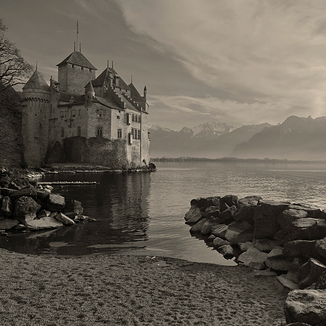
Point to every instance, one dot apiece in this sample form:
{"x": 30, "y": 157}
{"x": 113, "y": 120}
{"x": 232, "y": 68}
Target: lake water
{"x": 143, "y": 213}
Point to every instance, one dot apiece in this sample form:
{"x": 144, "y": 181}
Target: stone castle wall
{"x": 72, "y": 78}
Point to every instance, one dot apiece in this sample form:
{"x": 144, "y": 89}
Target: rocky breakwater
{"x": 279, "y": 239}
{"x": 27, "y": 206}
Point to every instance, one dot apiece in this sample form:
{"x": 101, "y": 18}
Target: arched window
{"x": 78, "y": 131}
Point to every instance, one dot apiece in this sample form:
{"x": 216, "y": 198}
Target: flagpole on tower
{"x": 77, "y": 34}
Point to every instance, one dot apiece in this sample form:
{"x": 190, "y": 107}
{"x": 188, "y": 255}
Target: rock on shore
{"x": 26, "y": 206}
{"x": 273, "y": 238}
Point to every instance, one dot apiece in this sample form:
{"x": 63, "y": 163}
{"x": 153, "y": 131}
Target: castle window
{"x": 99, "y": 113}
{"x": 62, "y": 132}
{"x": 119, "y": 133}
{"x": 133, "y": 117}
{"x": 139, "y": 134}
{"x": 78, "y": 131}
{"x": 73, "y": 113}
{"x": 99, "y": 132}
{"x": 118, "y": 117}
{"x": 62, "y": 114}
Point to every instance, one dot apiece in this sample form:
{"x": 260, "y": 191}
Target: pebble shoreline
{"x": 133, "y": 290}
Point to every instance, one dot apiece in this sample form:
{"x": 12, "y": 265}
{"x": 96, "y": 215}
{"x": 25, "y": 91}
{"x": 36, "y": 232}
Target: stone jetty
{"x": 275, "y": 239}
{"x": 29, "y": 206}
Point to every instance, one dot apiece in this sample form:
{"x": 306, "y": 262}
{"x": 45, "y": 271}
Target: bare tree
{"x": 13, "y": 67}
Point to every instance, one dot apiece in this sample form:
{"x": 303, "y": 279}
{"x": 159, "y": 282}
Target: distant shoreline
{"x": 235, "y": 159}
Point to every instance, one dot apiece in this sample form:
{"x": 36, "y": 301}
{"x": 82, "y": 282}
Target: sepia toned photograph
{"x": 163, "y": 162}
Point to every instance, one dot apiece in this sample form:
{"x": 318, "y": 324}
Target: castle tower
{"x": 74, "y": 73}
{"x": 35, "y": 119}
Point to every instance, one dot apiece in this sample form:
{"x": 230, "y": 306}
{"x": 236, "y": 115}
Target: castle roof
{"x": 100, "y": 80}
{"x": 135, "y": 94}
{"x": 78, "y": 59}
{"x": 36, "y": 81}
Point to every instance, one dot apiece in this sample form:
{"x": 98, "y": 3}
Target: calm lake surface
{"x": 142, "y": 213}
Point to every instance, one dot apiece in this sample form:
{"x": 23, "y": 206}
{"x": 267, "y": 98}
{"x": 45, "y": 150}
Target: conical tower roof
{"x": 89, "y": 89}
{"x": 37, "y": 82}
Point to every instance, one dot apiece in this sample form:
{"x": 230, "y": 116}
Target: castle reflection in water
{"x": 118, "y": 203}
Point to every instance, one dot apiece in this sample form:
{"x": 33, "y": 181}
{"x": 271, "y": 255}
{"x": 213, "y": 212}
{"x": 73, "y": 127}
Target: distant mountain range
{"x": 210, "y": 140}
{"x": 296, "y": 138}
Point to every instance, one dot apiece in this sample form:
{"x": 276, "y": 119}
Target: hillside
{"x": 296, "y": 138}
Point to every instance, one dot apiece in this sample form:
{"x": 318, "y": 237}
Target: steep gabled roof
{"x": 78, "y": 59}
{"x": 36, "y": 82}
{"x": 135, "y": 94}
{"x": 99, "y": 81}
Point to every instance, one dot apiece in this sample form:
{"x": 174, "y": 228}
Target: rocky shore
{"x": 281, "y": 240}
{"x": 28, "y": 206}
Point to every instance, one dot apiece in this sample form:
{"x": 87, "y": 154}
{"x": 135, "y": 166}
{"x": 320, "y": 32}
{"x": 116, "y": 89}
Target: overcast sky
{"x": 233, "y": 61}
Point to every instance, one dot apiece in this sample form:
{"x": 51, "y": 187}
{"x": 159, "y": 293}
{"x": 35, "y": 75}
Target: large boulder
{"x": 293, "y": 271}
{"x": 209, "y": 225}
{"x": 252, "y": 255}
{"x": 278, "y": 263}
{"x": 193, "y": 215}
{"x": 235, "y": 229}
{"x": 244, "y": 236}
{"x": 203, "y": 203}
{"x": 48, "y": 222}
{"x": 55, "y": 203}
{"x": 307, "y": 306}
{"x": 299, "y": 226}
{"x": 29, "y": 191}
{"x": 265, "y": 244}
{"x": 25, "y": 206}
{"x": 196, "y": 228}
{"x": 212, "y": 211}
{"x": 245, "y": 211}
{"x": 73, "y": 208}
{"x": 286, "y": 282}
{"x": 218, "y": 242}
{"x": 227, "y": 251}
{"x": 226, "y": 216}
{"x": 8, "y": 223}
{"x": 42, "y": 194}
{"x": 301, "y": 248}
{"x": 309, "y": 272}
{"x": 219, "y": 230}
{"x": 266, "y": 218}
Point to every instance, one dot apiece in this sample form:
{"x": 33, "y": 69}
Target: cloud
{"x": 191, "y": 111}
{"x": 269, "y": 54}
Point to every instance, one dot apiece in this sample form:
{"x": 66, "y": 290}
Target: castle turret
{"x": 35, "y": 119}
{"x": 89, "y": 92}
{"x": 145, "y": 93}
{"x": 74, "y": 73}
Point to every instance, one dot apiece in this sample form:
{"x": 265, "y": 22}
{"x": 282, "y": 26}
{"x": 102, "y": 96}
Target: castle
{"x": 82, "y": 118}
